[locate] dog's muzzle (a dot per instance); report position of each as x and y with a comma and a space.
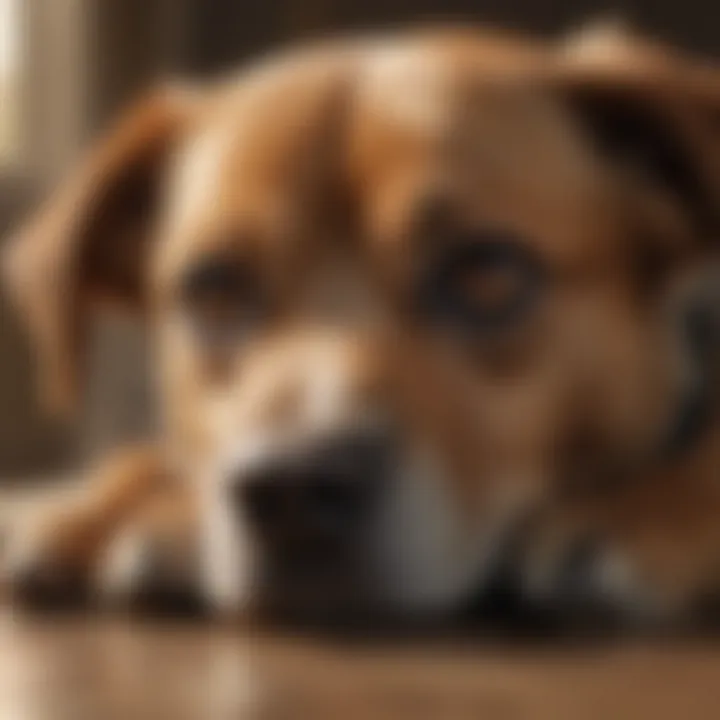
311, 511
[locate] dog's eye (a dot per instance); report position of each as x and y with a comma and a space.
221, 295
483, 284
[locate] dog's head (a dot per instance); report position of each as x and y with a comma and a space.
400, 291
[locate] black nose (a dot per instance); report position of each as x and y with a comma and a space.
321, 494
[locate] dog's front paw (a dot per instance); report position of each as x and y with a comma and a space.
151, 571
48, 560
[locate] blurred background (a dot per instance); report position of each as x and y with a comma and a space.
67, 66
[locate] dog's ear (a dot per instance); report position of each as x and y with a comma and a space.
654, 113
90, 240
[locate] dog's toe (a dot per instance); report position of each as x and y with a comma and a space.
159, 596
50, 587
39, 571
149, 575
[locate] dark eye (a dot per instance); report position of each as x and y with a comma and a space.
483, 284
221, 295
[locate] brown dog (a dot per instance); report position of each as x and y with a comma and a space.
403, 291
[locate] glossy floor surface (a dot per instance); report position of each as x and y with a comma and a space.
103, 668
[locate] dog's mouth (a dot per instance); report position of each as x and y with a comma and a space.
362, 535
331, 591
386, 575
321, 579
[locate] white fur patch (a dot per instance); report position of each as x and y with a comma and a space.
228, 556
431, 557
197, 182
121, 569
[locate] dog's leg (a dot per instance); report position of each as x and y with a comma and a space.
649, 552
153, 563
53, 555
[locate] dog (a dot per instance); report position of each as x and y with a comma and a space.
405, 292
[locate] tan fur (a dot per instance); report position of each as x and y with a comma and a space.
329, 159
76, 532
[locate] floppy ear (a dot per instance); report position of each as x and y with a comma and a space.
90, 240
655, 114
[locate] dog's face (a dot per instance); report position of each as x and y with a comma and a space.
401, 292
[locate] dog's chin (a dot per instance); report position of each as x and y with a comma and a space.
374, 601
357, 596
340, 613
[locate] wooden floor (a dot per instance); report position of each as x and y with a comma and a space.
78, 669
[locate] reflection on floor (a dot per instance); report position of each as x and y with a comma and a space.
103, 669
